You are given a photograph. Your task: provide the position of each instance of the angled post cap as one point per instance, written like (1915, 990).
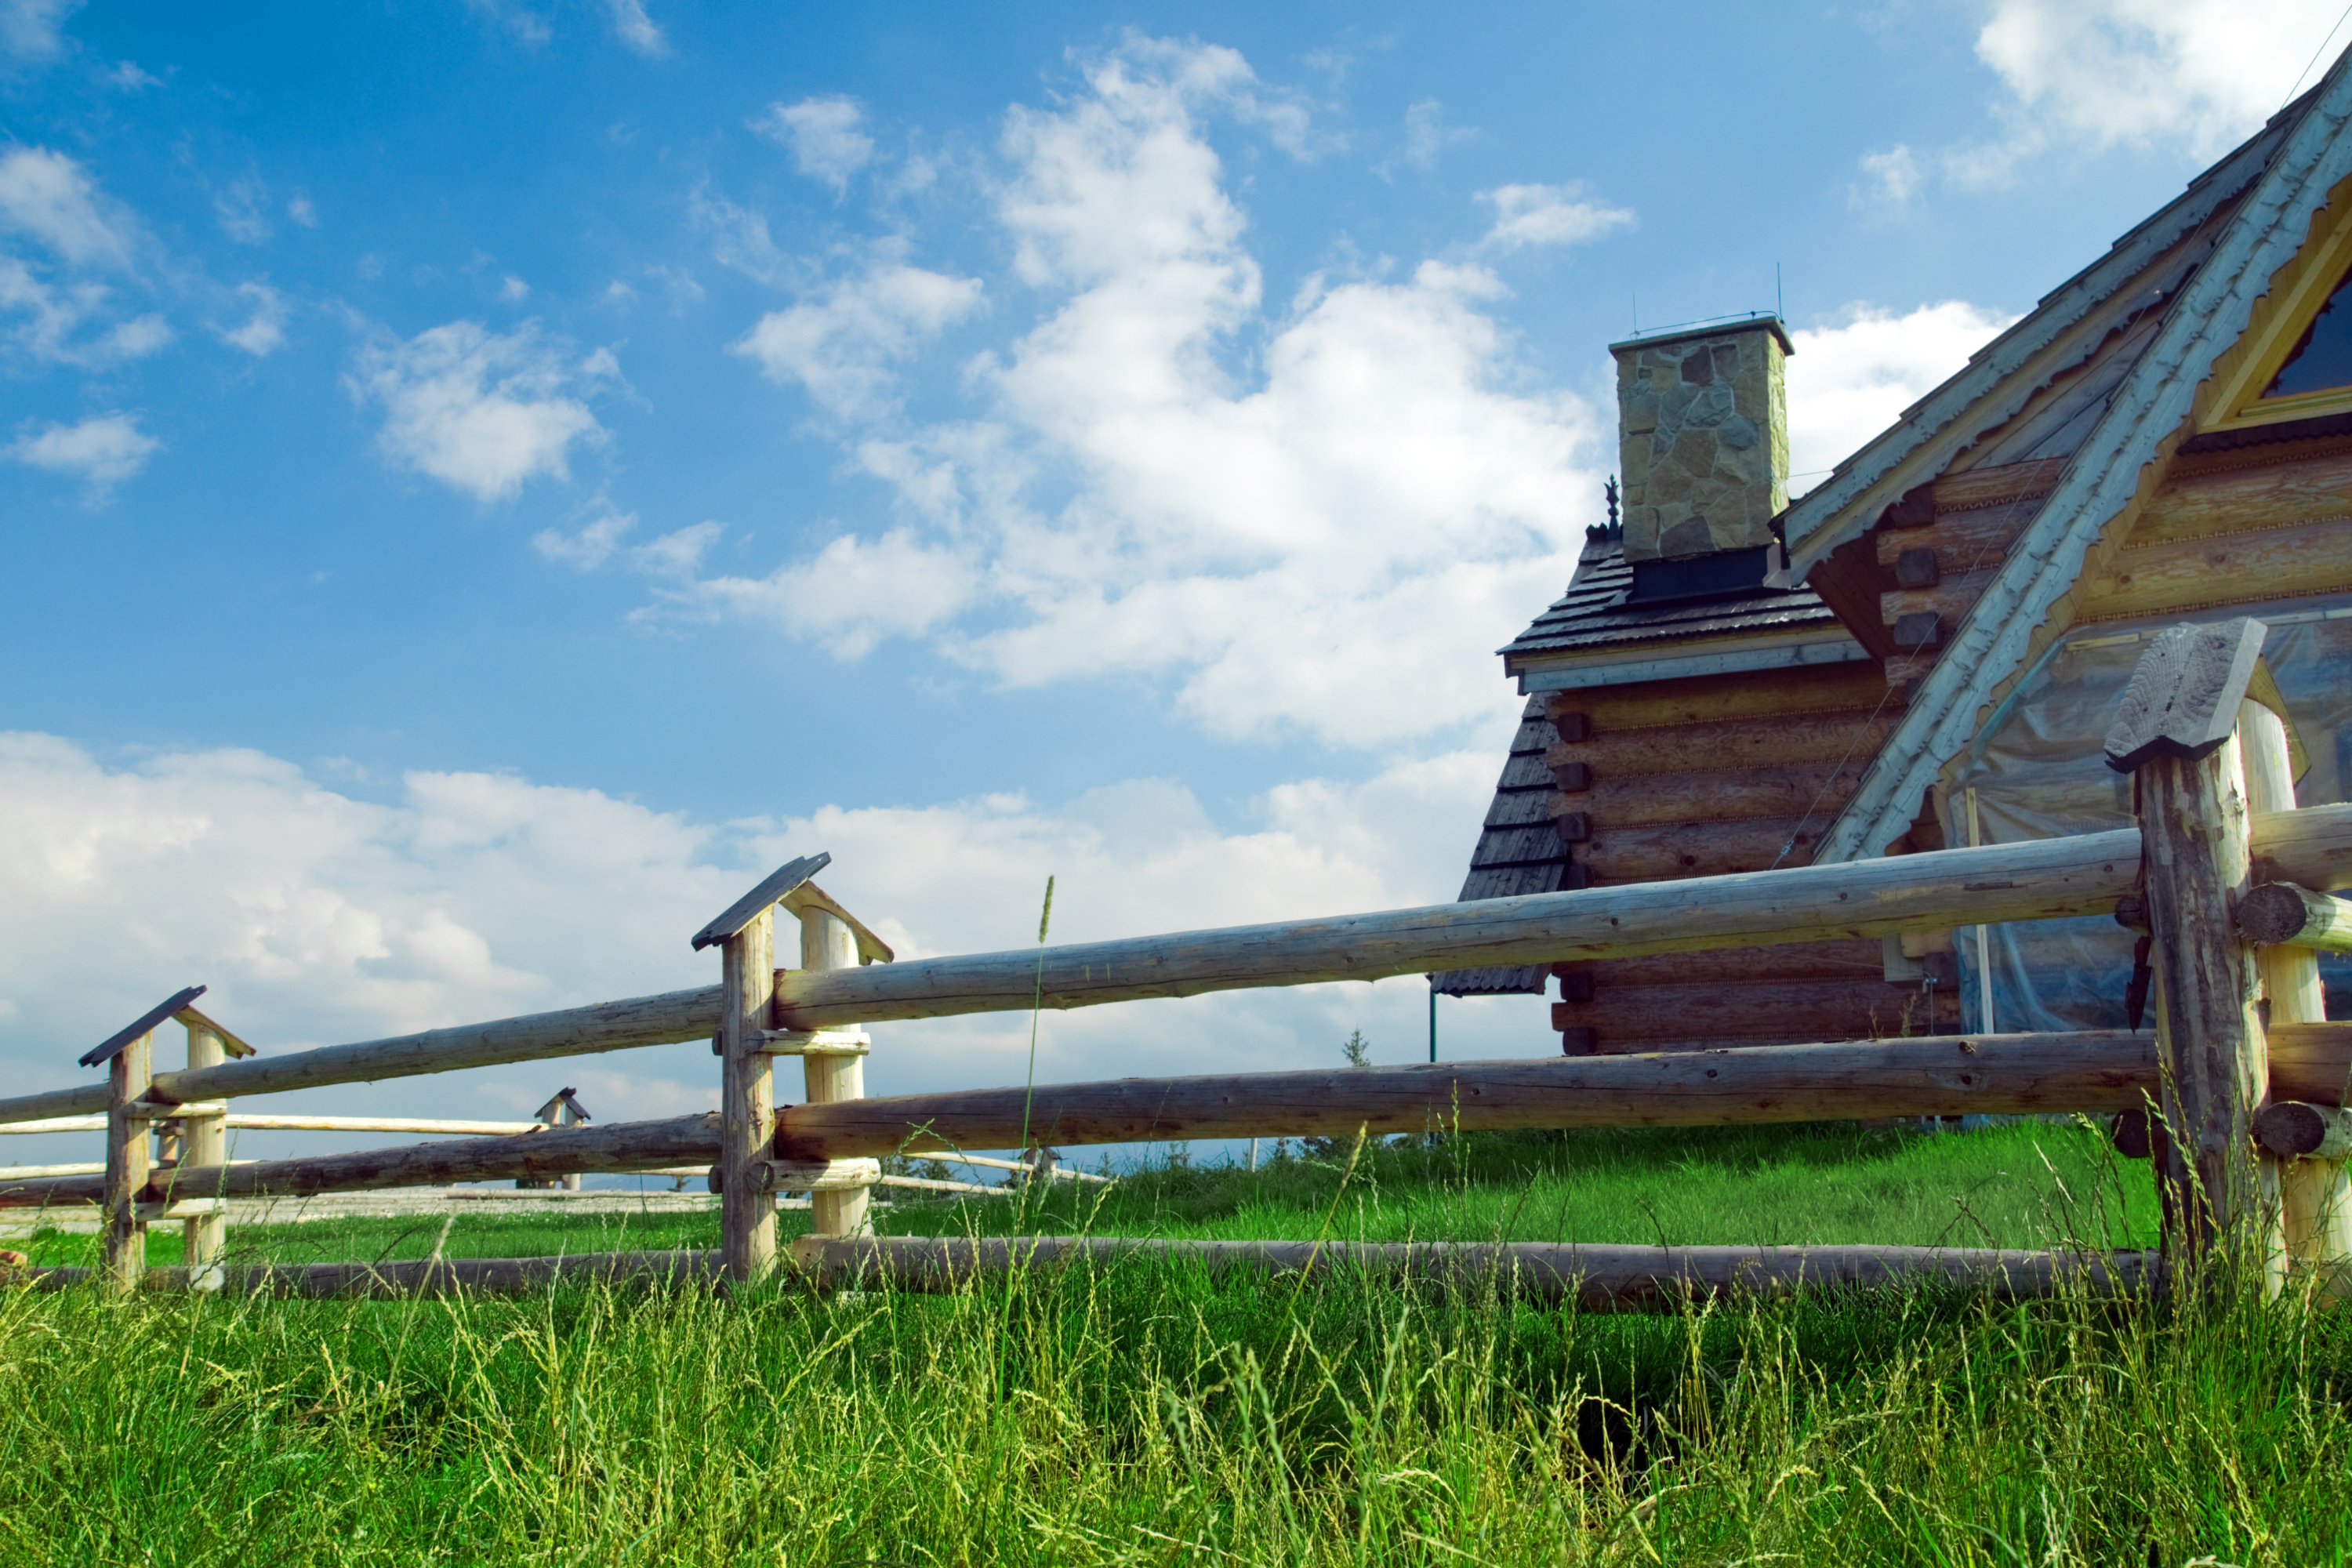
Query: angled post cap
(871, 949)
(2184, 693)
(111, 1047)
(761, 898)
(563, 1097)
(230, 1044)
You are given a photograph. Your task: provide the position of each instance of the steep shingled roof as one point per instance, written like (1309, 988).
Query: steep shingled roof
(1595, 612)
(2291, 166)
(1519, 851)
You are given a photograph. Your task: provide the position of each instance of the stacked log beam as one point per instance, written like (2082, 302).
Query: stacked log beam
(1671, 780)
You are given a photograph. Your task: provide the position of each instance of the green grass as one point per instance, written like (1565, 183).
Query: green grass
(1141, 1411)
(2025, 1185)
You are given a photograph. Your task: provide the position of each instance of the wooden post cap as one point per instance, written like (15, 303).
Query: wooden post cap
(111, 1047)
(2184, 693)
(765, 897)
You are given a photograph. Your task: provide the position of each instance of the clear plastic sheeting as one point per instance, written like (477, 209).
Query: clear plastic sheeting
(2038, 769)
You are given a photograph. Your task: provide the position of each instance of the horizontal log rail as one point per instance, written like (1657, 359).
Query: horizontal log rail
(2081, 875)
(614, 1147)
(488, 1276)
(1600, 1279)
(2088, 1070)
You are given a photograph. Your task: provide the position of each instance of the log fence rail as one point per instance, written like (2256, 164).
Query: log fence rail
(2228, 878)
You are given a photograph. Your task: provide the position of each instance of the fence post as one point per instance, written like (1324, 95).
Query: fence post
(2314, 1195)
(125, 1246)
(2177, 734)
(832, 1074)
(748, 1102)
(203, 1141)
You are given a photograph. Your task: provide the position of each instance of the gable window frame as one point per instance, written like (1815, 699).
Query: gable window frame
(2322, 267)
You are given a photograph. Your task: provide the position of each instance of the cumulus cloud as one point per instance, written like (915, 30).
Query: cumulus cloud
(242, 209)
(1319, 517)
(51, 198)
(1427, 136)
(34, 29)
(2080, 76)
(1849, 380)
(636, 30)
(1547, 215)
(824, 135)
(739, 239)
(264, 332)
(72, 321)
(317, 917)
(840, 344)
(102, 450)
(482, 412)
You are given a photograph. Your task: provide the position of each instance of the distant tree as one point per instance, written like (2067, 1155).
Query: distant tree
(1357, 1050)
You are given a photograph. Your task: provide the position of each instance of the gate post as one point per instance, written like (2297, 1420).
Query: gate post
(203, 1141)
(128, 1074)
(2314, 1195)
(748, 1100)
(2176, 733)
(833, 1067)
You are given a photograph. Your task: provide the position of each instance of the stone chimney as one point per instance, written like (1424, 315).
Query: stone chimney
(1703, 439)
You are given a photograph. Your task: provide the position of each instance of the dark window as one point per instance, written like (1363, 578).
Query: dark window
(2323, 357)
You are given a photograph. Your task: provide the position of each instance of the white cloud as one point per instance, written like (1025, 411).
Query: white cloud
(739, 239)
(1427, 136)
(512, 288)
(1890, 178)
(824, 134)
(590, 546)
(841, 343)
(1547, 215)
(1849, 381)
(2204, 73)
(34, 29)
(636, 30)
(49, 196)
(243, 211)
(315, 917)
(102, 450)
(126, 76)
(264, 332)
(2083, 76)
(1323, 518)
(482, 412)
(300, 210)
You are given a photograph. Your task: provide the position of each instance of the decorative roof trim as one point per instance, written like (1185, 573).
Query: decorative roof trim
(2150, 412)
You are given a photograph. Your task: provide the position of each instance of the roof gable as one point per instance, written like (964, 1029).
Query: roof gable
(2074, 325)
(2205, 330)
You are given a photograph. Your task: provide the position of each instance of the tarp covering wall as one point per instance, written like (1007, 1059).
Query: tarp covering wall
(2037, 771)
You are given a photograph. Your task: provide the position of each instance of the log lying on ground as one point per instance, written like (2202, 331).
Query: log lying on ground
(2103, 1069)
(1933, 891)
(619, 1146)
(1599, 1279)
(488, 1276)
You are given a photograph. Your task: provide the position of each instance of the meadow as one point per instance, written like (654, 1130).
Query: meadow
(1144, 1412)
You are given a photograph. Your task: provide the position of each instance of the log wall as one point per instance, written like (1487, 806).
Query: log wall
(1672, 780)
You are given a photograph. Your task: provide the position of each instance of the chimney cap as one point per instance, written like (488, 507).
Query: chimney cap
(1716, 326)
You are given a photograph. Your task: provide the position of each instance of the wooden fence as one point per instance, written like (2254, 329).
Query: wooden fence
(2245, 1078)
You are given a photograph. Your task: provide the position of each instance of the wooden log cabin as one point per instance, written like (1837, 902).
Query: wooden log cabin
(1926, 647)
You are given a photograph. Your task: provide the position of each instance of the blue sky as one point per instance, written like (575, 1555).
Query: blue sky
(484, 482)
